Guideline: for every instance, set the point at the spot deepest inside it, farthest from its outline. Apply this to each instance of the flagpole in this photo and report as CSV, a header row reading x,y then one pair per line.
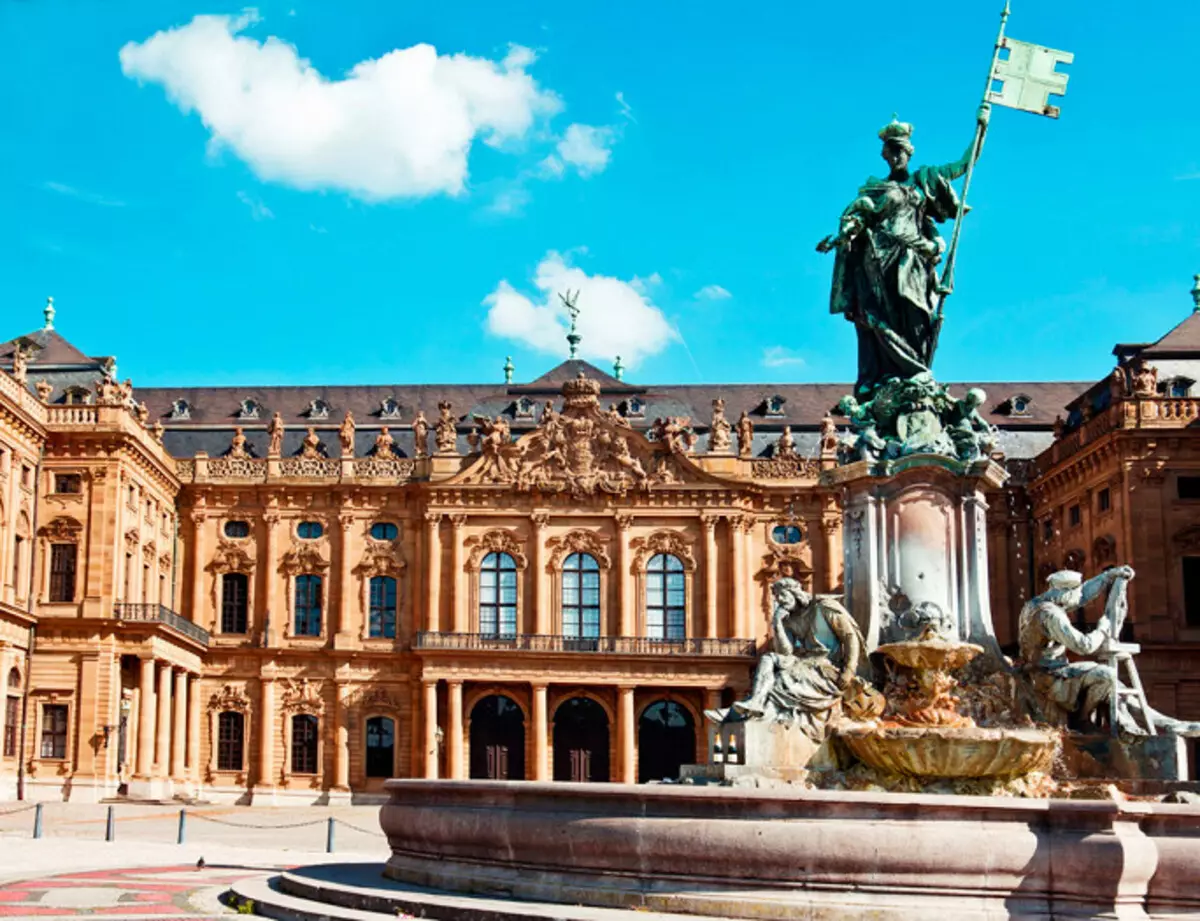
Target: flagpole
x,y
946,285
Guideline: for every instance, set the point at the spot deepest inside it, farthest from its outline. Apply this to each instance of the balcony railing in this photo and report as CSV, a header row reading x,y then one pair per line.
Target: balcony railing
x,y
616,645
157,613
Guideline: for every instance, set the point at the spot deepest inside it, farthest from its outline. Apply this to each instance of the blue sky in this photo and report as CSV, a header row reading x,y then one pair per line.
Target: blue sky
x,y
676,161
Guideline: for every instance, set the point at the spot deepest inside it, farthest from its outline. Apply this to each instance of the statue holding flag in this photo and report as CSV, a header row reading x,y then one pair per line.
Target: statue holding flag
x,y
889,248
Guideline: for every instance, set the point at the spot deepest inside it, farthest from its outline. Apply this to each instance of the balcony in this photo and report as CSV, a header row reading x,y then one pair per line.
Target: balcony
x,y
612,645
157,613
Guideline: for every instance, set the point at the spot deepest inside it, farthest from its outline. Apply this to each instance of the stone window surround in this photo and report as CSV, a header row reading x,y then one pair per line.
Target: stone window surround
x,y
40,698
289,717
677,545
577,540
62,530
229,700
376,713
496,540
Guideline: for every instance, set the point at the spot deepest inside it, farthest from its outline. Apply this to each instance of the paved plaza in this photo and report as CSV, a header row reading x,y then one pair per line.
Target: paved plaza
x,y
72,872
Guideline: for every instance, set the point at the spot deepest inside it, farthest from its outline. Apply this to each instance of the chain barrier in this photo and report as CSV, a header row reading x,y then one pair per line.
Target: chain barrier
x,y
364,831
208,818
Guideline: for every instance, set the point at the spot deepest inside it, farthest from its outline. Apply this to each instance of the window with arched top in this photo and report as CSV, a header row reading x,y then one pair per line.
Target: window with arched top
x,y
382,610
14,678
231,741
666,598
498,595
581,596
308,605
305,743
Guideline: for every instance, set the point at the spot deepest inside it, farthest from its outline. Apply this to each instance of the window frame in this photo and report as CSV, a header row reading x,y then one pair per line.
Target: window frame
x,y
498,567
305,578
577,573
382,718
243,616
68,484
309,525
53,733
61,587
12,716
223,744
395,532
298,755
382,609
659,574
236,524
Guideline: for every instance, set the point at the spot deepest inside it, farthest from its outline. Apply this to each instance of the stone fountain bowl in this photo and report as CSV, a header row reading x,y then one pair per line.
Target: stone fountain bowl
x,y
943,751
938,654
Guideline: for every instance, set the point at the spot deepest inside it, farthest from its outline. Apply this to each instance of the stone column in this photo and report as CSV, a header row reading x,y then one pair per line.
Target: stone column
x,y
455,768
433,572
829,530
162,733
430,716
344,635
737,579
179,726
341,743
193,732
269,620
266,733
711,627
541,735
626,608
626,730
199,614
541,610
458,597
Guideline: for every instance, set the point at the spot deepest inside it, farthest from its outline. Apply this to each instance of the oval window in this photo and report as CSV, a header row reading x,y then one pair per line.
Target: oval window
x,y
384,530
786,534
309,530
237,529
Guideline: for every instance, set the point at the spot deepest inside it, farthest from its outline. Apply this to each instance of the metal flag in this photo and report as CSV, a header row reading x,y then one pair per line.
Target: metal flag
x,y
1028,77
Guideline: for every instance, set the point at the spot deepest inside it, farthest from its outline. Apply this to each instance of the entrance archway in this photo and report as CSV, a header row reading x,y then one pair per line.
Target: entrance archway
x,y
581,741
666,740
497,739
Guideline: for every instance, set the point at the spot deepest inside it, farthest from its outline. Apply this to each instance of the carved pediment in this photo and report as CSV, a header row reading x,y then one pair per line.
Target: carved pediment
x,y
662,542
381,559
303,557
301,696
61,529
579,541
231,556
496,541
229,698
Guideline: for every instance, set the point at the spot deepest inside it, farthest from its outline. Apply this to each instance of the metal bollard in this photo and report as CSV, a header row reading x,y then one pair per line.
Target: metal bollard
x,y
110,825
37,820
182,836
329,836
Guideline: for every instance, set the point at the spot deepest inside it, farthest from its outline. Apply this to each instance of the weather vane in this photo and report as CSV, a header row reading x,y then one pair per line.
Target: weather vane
x,y
570,302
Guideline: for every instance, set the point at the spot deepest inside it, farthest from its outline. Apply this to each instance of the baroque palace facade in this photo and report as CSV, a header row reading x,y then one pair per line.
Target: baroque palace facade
x,y
290,594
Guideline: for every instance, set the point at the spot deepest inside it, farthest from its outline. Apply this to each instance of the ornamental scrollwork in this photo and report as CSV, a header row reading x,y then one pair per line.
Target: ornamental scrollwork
x,y
237,468
61,530
785,468
229,697
381,559
670,542
496,541
301,696
578,541
303,557
311,467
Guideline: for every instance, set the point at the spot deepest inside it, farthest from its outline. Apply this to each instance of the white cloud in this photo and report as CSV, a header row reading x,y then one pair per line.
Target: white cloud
x,y
615,317
712,293
510,200
587,148
258,210
90,197
626,110
401,125
777,356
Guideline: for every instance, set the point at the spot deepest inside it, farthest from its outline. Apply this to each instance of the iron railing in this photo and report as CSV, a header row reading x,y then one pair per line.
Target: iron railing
x,y
157,613
617,645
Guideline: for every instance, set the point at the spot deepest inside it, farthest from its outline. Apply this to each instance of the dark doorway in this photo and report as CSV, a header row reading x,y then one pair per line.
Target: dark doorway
x,y
497,739
666,740
581,741
381,747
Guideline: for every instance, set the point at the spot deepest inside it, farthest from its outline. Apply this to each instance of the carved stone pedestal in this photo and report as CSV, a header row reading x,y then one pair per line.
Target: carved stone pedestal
x,y
753,749
915,540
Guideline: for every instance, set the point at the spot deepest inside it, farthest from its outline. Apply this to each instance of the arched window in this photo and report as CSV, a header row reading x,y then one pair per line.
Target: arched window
x,y
381,747
382,621
235,587
237,529
304,744
665,597
14,678
309,530
12,706
384,530
498,595
308,605
230,740
581,596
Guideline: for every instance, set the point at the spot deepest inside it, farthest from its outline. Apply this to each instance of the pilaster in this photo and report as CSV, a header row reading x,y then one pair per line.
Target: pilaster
x,y
146,712
458,593
455,760
344,635
269,616
537,582
626,726
199,516
711,627
179,727
266,739
429,717
541,734
433,575
626,609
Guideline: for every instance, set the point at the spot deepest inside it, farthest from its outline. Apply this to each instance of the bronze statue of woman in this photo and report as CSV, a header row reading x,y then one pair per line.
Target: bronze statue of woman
x,y
888,248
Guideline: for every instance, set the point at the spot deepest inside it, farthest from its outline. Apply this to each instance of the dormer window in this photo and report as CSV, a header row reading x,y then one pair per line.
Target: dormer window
x,y
389,409
180,409
523,408
635,408
773,406
318,409
247,410
1020,405
1176,387
76,394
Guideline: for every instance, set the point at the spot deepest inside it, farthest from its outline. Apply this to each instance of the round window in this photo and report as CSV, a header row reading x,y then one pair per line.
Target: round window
x,y
384,530
786,534
237,529
309,530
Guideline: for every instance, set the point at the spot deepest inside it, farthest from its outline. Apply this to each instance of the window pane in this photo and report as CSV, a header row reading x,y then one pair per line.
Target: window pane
x,y
508,595
673,563
591,596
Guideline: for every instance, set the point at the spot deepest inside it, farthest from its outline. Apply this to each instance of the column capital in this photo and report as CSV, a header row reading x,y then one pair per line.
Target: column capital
x,y
198,515
539,519
432,519
457,520
709,523
623,520
346,520
539,685
454,683
271,518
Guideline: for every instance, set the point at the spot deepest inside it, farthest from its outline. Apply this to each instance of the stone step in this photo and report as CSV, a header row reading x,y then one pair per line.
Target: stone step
x,y
360,892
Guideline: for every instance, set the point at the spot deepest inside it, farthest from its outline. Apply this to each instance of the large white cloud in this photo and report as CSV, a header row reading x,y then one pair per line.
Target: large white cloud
x,y
401,125
615,317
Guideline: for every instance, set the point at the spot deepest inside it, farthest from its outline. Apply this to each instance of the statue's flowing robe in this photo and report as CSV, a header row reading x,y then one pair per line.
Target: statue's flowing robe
x,y
883,284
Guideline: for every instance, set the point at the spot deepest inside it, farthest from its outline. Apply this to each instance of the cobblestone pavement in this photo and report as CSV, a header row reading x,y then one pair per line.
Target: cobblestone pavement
x,y
71,872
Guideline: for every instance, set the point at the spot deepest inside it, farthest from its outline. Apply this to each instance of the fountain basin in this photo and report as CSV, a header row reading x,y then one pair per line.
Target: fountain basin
x,y
944,751
936,654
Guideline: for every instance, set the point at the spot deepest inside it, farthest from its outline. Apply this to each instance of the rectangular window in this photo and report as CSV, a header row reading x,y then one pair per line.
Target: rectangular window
x,y
498,596
12,710
1104,500
18,550
666,590
1075,515
26,473
234,592
383,607
304,744
62,572
308,605
1189,487
54,731
230,729
1191,590
68,483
